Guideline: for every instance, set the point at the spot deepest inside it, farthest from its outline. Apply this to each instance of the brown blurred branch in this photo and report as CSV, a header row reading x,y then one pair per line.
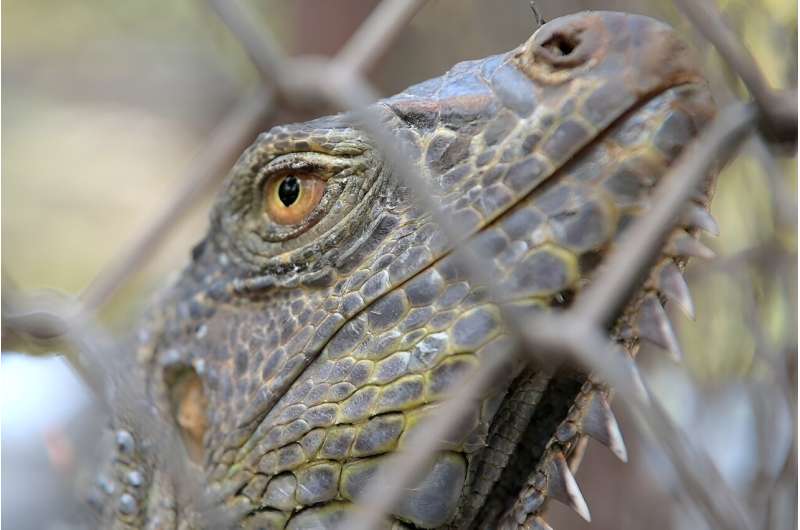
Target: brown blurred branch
x,y
376,34
778,111
226,142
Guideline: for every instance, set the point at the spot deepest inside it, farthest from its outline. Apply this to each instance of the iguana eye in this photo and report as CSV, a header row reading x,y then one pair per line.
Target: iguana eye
x,y
289,199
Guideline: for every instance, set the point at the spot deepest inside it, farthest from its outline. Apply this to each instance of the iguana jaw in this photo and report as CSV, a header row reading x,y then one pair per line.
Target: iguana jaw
x,y
235,321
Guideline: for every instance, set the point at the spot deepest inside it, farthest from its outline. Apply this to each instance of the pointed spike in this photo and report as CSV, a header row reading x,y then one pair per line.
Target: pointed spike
x,y
655,327
672,284
697,216
686,246
599,423
562,487
638,381
629,364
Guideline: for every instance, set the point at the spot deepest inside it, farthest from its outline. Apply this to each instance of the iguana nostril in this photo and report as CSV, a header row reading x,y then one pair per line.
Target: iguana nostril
x,y
566,47
560,44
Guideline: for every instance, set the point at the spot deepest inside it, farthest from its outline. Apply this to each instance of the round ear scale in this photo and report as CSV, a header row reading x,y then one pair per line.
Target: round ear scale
x,y
289,199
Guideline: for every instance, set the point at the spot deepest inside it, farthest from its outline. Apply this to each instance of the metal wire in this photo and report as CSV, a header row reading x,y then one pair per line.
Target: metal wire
x,y
577,334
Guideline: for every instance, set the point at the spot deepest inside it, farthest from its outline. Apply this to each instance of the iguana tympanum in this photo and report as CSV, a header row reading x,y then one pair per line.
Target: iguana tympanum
x,y
323,315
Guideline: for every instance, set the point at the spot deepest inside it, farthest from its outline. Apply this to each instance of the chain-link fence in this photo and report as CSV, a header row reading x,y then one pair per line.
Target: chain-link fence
x,y
764,125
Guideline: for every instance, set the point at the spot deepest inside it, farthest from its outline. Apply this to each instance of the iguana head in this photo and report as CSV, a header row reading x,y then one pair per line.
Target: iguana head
x,y
322,317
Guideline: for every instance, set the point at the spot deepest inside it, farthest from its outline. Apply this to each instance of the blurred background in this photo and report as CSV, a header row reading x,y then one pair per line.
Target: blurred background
x,y
106,103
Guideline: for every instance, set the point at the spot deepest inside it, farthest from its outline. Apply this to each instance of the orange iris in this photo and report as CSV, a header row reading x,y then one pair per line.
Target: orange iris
x,y
291,198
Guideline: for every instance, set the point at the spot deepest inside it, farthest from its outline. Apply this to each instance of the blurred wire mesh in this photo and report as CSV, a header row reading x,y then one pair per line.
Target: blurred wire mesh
x,y
105,104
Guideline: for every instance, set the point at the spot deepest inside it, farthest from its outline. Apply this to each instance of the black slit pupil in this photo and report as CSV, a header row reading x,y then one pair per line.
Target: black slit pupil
x,y
289,190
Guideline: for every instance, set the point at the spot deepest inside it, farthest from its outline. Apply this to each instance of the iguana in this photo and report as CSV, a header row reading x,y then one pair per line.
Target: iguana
x,y
323,316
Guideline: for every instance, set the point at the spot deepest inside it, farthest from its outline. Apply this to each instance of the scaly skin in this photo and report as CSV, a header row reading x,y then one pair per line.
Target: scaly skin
x,y
294,359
